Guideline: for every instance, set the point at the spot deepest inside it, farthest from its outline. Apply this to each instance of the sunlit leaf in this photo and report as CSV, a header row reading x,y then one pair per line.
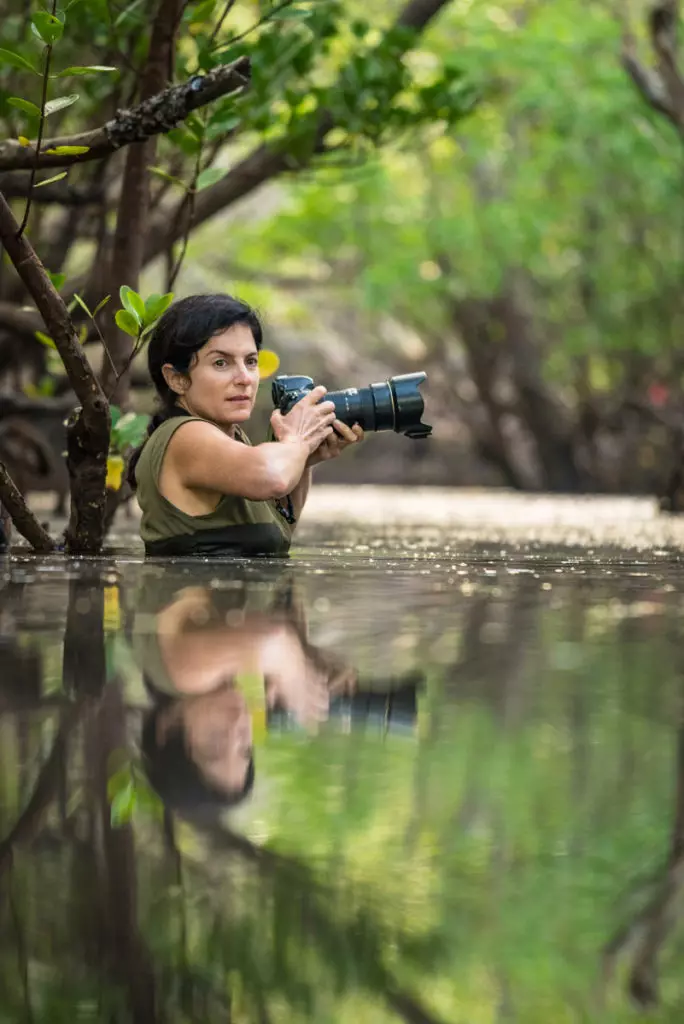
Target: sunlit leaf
x,y
101,304
83,306
269,362
132,302
159,172
127,323
60,103
123,806
115,468
49,181
91,69
57,279
23,141
155,305
45,339
68,150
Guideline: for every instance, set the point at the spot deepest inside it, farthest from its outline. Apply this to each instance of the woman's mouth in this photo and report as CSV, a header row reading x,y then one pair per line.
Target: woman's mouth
x,y
240,398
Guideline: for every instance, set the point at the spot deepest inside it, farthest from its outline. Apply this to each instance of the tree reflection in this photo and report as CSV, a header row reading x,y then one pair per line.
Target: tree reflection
x,y
451,836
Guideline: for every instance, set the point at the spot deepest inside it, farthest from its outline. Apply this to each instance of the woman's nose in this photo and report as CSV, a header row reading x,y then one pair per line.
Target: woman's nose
x,y
242,375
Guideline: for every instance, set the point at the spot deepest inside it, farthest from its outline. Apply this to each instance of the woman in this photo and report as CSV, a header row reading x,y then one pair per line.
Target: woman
x,y
201,486
212,661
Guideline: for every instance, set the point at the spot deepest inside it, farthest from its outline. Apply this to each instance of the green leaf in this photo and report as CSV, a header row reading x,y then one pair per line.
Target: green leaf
x,y
118,782
83,306
90,69
45,339
48,27
290,13
25,105
202,12
184,140
15,60
126,13
155,305
130,431
60,103
133,302
161,173
127,323
209,177
57,279
49,181
123,806
101,305
68,150
115,413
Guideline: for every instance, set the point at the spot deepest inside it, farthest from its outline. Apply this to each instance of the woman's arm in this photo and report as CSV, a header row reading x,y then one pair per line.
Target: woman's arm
x,y
330,448
202,457
299,493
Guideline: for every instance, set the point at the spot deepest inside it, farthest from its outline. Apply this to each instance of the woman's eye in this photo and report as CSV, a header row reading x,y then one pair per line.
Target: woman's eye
x,y
252,364
220,363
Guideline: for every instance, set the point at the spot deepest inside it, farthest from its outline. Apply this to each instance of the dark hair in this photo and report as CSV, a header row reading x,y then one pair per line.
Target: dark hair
x,y
176,778
185,327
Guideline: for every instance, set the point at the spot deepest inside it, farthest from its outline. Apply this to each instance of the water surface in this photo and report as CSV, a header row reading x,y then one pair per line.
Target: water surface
x,y
468,794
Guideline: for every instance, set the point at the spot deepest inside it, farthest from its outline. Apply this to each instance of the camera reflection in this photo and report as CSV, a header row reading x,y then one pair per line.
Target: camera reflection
x,y
225,666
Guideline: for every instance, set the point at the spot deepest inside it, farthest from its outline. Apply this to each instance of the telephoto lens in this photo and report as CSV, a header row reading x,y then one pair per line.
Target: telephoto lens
x,y
395,404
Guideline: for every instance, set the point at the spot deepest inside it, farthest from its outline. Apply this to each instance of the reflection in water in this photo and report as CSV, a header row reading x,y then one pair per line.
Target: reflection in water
x,y
276,793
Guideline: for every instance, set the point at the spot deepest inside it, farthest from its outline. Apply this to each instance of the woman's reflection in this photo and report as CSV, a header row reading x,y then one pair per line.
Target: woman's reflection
x,y
211,661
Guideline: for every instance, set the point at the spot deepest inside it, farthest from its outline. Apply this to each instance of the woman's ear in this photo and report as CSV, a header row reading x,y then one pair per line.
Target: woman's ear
x,y
177,381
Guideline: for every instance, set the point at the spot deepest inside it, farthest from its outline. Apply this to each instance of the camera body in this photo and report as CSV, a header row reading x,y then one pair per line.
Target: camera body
x,y
395,404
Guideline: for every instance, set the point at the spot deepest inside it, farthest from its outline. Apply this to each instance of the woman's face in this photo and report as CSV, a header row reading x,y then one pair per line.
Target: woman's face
x,y
218,736
224,378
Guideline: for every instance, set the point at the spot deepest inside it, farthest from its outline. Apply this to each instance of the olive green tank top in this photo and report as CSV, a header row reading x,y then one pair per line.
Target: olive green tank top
x,y
237,526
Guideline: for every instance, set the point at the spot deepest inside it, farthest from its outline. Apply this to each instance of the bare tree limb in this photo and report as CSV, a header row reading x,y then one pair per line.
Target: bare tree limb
x,y
21,515
51,307
154,116
661,87
647,80
88,430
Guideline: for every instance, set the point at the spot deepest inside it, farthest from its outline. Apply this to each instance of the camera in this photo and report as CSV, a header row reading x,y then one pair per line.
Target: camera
x,y
395,404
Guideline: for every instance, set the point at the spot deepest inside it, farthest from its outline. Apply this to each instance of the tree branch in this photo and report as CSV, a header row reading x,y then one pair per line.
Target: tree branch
x,y
51,307
21,515
19,320
154,116
269,161
88,430
647,80
16,186
662,87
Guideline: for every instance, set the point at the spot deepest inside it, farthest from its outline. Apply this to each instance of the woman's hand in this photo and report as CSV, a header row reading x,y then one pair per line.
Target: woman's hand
x,y
309,421
333,445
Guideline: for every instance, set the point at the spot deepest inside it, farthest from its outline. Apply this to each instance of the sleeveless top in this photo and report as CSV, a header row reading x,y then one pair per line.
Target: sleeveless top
x,y
237,526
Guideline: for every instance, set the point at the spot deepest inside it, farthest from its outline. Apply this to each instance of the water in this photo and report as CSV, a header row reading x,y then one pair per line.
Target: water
x,y
468,795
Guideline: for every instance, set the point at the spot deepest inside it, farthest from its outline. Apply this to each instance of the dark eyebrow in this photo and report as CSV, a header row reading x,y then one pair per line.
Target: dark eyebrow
x,y
228,355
